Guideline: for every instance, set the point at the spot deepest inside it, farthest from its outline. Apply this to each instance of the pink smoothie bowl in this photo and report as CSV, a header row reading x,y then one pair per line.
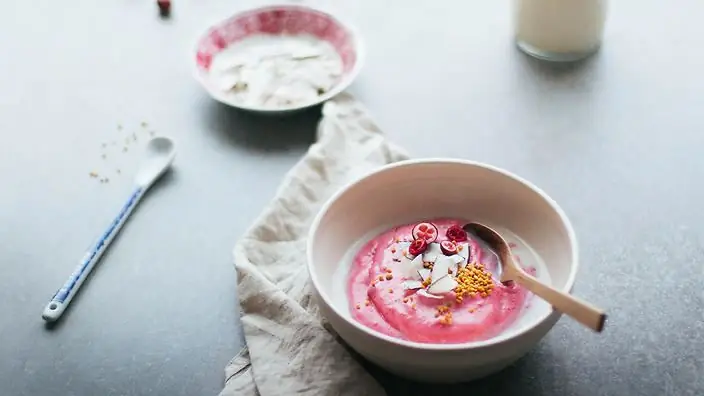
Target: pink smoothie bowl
x,y
416,190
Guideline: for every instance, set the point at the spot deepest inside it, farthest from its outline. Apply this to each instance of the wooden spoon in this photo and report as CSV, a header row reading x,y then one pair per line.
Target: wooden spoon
x,y
581,311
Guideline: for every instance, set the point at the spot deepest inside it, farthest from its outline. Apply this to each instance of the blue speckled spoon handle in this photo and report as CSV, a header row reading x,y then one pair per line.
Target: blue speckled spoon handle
x,y
159,155
63,297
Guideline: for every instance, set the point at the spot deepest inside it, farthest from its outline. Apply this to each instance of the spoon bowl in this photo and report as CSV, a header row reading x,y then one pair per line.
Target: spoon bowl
x,y
510,271
160,153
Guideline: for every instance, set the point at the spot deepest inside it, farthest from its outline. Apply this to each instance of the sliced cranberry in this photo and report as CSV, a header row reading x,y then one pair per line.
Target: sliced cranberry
x,y
426,231
448,247
456,233
417,247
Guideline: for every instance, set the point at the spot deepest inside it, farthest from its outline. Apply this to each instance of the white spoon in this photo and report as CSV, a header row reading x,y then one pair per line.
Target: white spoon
x,y
159,156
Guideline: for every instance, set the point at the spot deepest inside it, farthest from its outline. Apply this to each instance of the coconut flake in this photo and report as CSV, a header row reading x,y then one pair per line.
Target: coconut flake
x,y
432,253
440,268
424,274
464,252
409,268
412,285
424,293
402,247
443,285
457,259
455,269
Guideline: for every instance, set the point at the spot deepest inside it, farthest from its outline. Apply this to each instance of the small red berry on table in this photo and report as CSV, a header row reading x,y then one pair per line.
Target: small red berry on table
x,y
164,7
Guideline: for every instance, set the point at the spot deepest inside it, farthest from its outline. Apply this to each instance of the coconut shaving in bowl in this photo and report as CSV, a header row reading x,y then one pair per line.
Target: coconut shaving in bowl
x,y
276,71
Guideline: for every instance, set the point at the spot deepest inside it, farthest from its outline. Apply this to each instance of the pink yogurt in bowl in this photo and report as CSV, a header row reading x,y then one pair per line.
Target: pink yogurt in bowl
x,y
434,296
377,297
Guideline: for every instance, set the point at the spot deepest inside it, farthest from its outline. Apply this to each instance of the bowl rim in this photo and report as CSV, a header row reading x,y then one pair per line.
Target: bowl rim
x,y
429,346
344,83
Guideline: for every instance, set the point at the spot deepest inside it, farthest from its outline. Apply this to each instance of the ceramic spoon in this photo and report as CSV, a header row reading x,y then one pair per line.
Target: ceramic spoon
x,y
159,156
579,310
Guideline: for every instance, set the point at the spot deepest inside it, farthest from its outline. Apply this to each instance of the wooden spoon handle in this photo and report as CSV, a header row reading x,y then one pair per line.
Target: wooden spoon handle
x,y
581,311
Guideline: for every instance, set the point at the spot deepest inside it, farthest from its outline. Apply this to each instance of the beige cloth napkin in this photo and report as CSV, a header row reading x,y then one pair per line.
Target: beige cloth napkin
x,y
290,350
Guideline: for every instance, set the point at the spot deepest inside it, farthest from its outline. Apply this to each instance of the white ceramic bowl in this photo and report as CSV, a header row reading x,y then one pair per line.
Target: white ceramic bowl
x,y
279,20
424,189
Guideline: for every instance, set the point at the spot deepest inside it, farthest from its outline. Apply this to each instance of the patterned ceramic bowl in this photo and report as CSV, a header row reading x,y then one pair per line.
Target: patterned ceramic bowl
x,y
279,20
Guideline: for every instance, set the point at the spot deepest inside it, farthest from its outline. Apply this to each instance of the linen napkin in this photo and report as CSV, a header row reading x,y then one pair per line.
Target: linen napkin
x,y
290,349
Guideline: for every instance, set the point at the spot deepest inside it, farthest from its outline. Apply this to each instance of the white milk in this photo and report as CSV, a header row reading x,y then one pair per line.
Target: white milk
x,y
560,30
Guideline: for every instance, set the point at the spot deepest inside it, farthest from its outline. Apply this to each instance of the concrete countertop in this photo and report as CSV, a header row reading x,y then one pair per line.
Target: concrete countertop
x,y
617,140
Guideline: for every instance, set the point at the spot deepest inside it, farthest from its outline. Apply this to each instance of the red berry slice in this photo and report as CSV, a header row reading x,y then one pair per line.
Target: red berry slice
x,y
456,233
448,247
417,247
426,231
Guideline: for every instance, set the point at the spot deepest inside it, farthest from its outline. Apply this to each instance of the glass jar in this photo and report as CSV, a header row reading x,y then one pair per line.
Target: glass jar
x,y
559,30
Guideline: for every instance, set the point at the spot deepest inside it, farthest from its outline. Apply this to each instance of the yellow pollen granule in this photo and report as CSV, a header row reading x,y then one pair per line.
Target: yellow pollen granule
x,y
473,280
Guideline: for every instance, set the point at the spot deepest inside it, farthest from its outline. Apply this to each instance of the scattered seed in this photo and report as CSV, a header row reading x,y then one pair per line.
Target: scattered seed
x,y
391,290
93,174
357,306
367,302
389,276
380,277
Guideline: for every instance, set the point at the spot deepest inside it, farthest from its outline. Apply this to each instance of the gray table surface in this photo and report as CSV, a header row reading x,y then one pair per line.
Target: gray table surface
x,y
617,140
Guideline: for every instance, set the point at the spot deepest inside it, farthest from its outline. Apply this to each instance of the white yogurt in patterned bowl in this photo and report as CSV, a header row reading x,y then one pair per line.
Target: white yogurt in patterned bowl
x,y
278,58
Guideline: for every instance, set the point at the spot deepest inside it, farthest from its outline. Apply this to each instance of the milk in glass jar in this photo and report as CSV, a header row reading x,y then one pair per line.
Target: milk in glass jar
x,y
559,30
